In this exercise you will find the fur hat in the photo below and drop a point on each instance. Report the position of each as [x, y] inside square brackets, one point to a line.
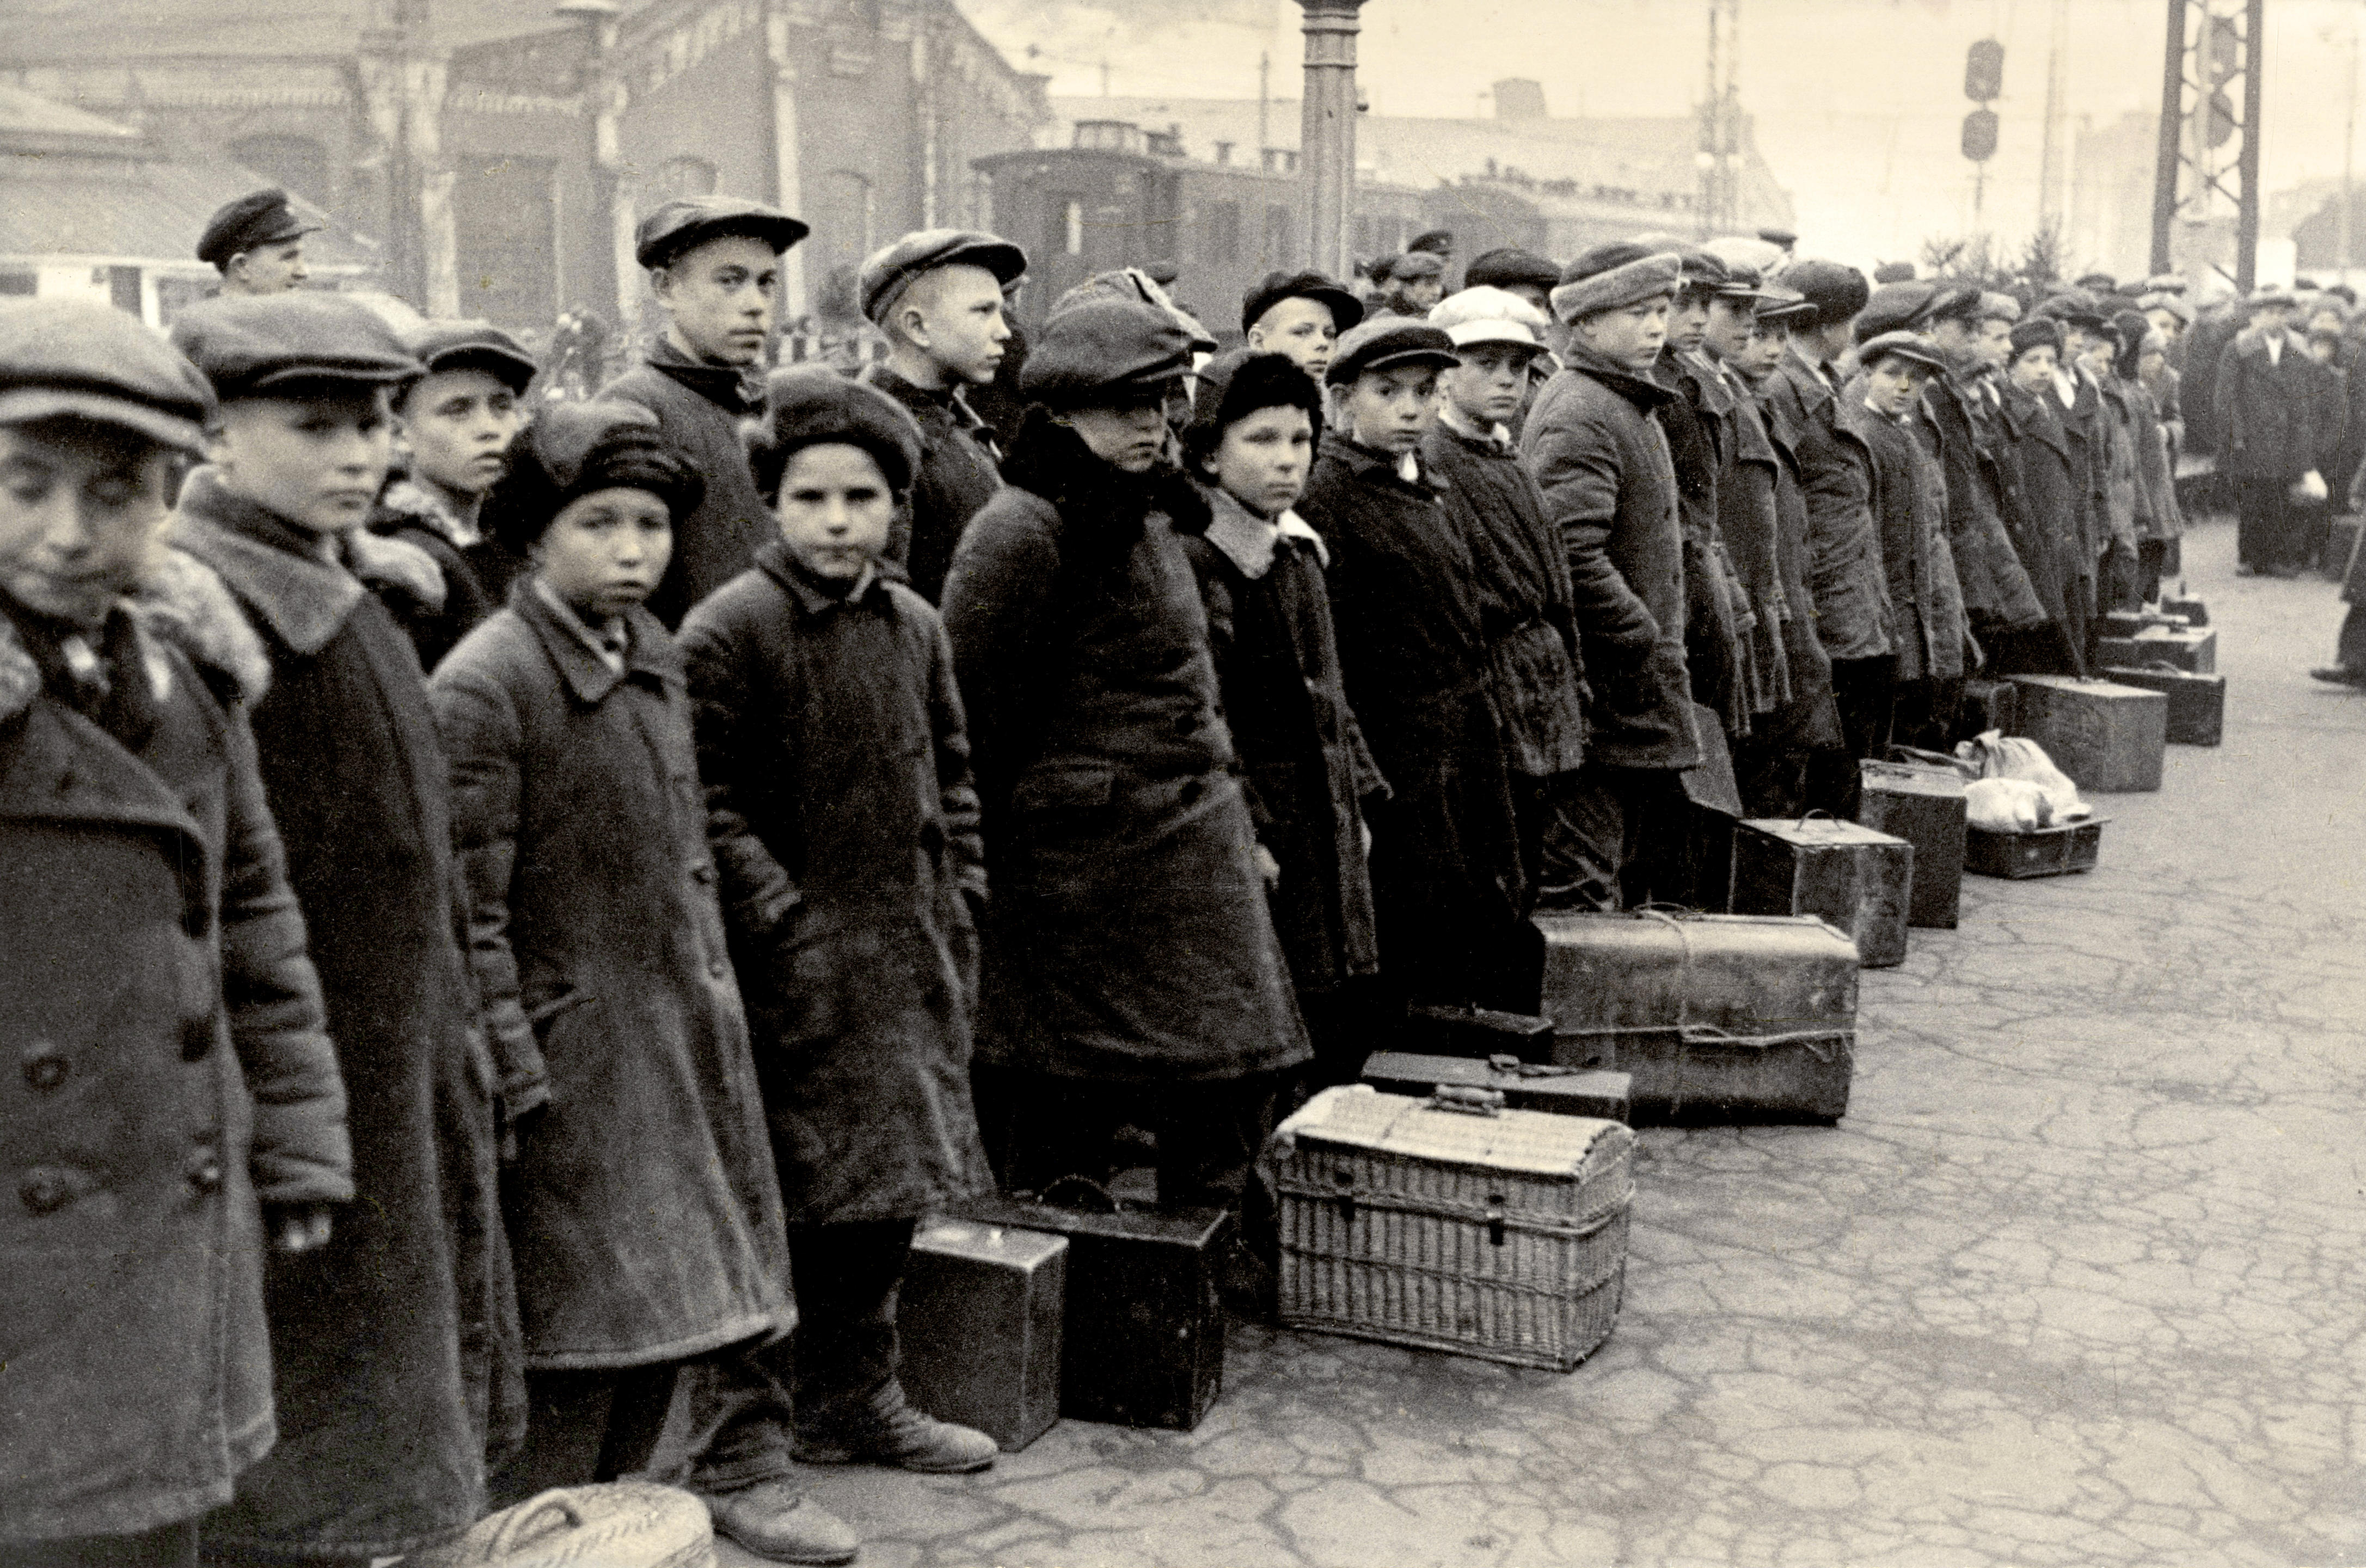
[572, 450]
[2035, 332]
[806, 405]
[1613, 276]
[1234, 385]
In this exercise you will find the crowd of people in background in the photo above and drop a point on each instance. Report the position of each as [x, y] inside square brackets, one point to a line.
[518, 904]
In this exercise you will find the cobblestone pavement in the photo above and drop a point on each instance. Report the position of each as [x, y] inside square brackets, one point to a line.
[2080, 1279]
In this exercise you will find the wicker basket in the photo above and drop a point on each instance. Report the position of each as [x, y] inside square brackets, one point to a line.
[615, 1523]
[1453, 1223]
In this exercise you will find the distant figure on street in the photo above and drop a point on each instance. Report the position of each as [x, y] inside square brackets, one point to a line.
[256, 243]
[2267, 405]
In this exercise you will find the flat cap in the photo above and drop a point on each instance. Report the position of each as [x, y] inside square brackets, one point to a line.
[74, 357]
[806, 405]
[1417, 264]
[1891, 307]
[1387, 342]
[248, 347]
[1509, 264]
[1489, 315]
[1743, 283]
[2271, 294]
[1739, 251]
[889, 270]
[2037, 331]
[1440, 242]
[1950, 302]
[1782, 238]
[1135, 286]
[259, 218]
[2099, 282]
[1780, 302]
[1346, 308]
[472, 346]
[1102, 345]
[1900, 345]
[1893, 272]
[1998, 307]
[693, 220]
[1703, 271]
[1837, 291]
[2174, 304]
[1613, 276]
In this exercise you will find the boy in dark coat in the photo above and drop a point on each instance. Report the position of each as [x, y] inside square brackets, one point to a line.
[1304, 766]
[938, 297]
[715, 264]
[394, 1350]
[2055, 498]
[641, 1202]
[1446, 877]
[458, 421]
[176, 1105]
[845, 827]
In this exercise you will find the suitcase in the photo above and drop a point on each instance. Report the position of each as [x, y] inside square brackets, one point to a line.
[979, 1320]
[2195, 610]
[1144, 1340]
[2041, 851]
[1724, 1017]
[2197, 704]
[1478, 1031]
[1524, 1086]
[2108, 738]
[2195, 652]
[2131, 623]
[1857, 878]
[1925, 806]
[1988, 705]
[1478, 1230]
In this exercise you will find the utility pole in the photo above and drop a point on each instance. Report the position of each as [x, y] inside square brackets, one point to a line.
[1265, 101]
[2208, 49]
[2052, 154]
[1327, 133]
[2348, 146]
[1720, 138]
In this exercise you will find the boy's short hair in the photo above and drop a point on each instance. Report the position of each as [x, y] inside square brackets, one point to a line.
[1235, 385]
[306, 343]
[573, 450]
[812, 405]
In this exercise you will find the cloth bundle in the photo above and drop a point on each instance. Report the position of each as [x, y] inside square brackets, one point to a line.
[2019, 787]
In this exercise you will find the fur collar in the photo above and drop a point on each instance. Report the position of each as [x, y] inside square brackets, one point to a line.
[181, 605]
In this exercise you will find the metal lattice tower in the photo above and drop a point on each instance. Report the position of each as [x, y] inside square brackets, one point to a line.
[2209, 156]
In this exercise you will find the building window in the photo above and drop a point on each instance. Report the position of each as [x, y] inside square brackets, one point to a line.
[297, 163]
[1220, 237]
[19, 281]
[685, 176]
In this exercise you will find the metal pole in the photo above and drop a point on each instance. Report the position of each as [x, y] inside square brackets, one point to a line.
[1327, 131]
[2348, 146]
[2049, 162]
[2172, 127]
[2247, 220]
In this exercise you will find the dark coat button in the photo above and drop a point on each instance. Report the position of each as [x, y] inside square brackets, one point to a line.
[196, 1038]
[1192, 790]
[44, 1194]
[45, 1071]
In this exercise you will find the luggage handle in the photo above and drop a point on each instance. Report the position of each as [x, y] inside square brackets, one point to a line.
[1467, 1099]
[1091, 1190]
[538, 1516]
[1816, 812]
[1506, 1063]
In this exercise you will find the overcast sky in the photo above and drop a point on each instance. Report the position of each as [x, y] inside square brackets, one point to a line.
[1859, 103]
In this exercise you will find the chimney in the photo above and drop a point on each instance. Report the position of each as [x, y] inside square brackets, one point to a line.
[1518, 97]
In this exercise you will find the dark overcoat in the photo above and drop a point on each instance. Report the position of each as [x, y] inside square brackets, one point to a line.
[394, 1350]
[1128, 939]
[2084, 424]
[1963, 437]
[1845, 579]
[1751, 531]
[2049, 534]
[845, 825]
[2158, 516]
[2271, 415]
[1528, 610]
[1303, 763]
[957, 475]
[168, 1069]
[408, 512]
[1609, 488]
[699, 408]
[1720, 657]
[642, 1205]
[1814, 719]
[1909, 506]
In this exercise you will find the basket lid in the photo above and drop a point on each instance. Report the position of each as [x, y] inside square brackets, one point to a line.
[618, 1524]
[1535, 1142]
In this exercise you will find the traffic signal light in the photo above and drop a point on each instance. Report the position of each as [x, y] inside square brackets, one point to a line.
[1979, 135]
[1984, 72]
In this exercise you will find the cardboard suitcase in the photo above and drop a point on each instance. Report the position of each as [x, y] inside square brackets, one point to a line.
[1144, 1340]
[1522, 1086]
[1714, 1017]
[1857, 878]
[979, 1319]
[2197, 704]
[2107, 737]
[2194, 651]
[1924, 806]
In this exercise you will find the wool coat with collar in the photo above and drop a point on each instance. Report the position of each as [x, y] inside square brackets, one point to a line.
[2270, 414]
[1811, 720]
[1303, 763]
[1961, 433]
[1528, 610]
[642, 1205]
[1720, 658]
[169, 1068]
[395, 1351]
[845, 825]
[1846, 583]
[2159, 515]
[2051, 533]
[1750, 530]
[957, 475]
[1446, 875]
[1128, 938]
[1910, 505]
[2084, 423]
[1609, 488]
[699, 407]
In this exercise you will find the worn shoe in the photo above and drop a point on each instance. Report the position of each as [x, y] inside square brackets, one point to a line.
[2340, 675]
[775, 1520]
[907, 1440]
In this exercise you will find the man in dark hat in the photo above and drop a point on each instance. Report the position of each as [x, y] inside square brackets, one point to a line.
[937, 296]
[1413, 284]
[715, 264]
[1298, 316]
[1515, 271]
[256, 243]
[2269, 413]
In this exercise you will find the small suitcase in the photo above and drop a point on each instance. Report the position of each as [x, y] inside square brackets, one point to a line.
[1525, 1085]
[2197, 704]
[1727, 1017]
[2040, 852]
[2196, 612]
[979, 1319]
[1144, 1340]
[1468, 1228]
[2108, 738]
[2195, 652]
[1478, 1031]
[1925, 806]
[1858, 879]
